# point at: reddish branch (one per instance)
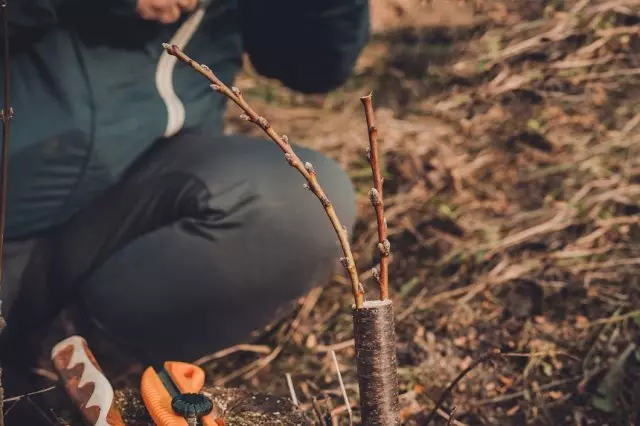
(306, 169)
(376, 197)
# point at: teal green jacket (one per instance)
(93, 89)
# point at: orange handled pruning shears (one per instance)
(173, 396)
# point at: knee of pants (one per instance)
(259, 241)
(248, 172)
(338, 187)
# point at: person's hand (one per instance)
(164, 11)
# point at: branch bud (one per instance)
(325, 201)
(360, 288)
(368, 154)
(309, 167)
(285, 139)
(374, 196)
(385, 248)
(306, 186)
(5, 118)
(236, 91)
(376, 273)
(245, 117)
(170, 48)
(289, 158)
(263, 123)
(204, 67)
(215, 87)
(345, 262)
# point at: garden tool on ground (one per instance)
(173, 396)
(85, 382)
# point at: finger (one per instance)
(188, 5)
(152, 10)
(147, 13)
(169, 15)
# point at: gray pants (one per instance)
(198, 245)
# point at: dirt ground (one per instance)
(511, 144)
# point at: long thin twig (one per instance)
(376, 197)
(20, 397)
(242, 347)
(452, 416)
(342, 388)
(5, 115)
(494, 353)
(319, 414)
(306, 169)
(515, 395)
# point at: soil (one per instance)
(511, 144)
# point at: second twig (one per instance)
(376, 197)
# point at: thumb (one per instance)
(188, 5)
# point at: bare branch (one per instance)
(291, 157)
(452, 416)
(376, 197)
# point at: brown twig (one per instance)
(452, 416)
(306, 169)
(522, 393)
(487, 356)
(5, 116)
(376, 197)
(318, 411)
(242, 347)
(335, 347)
(250, 370)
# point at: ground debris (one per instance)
(238, 408)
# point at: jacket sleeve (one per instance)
(309, 45)
(40, 14)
